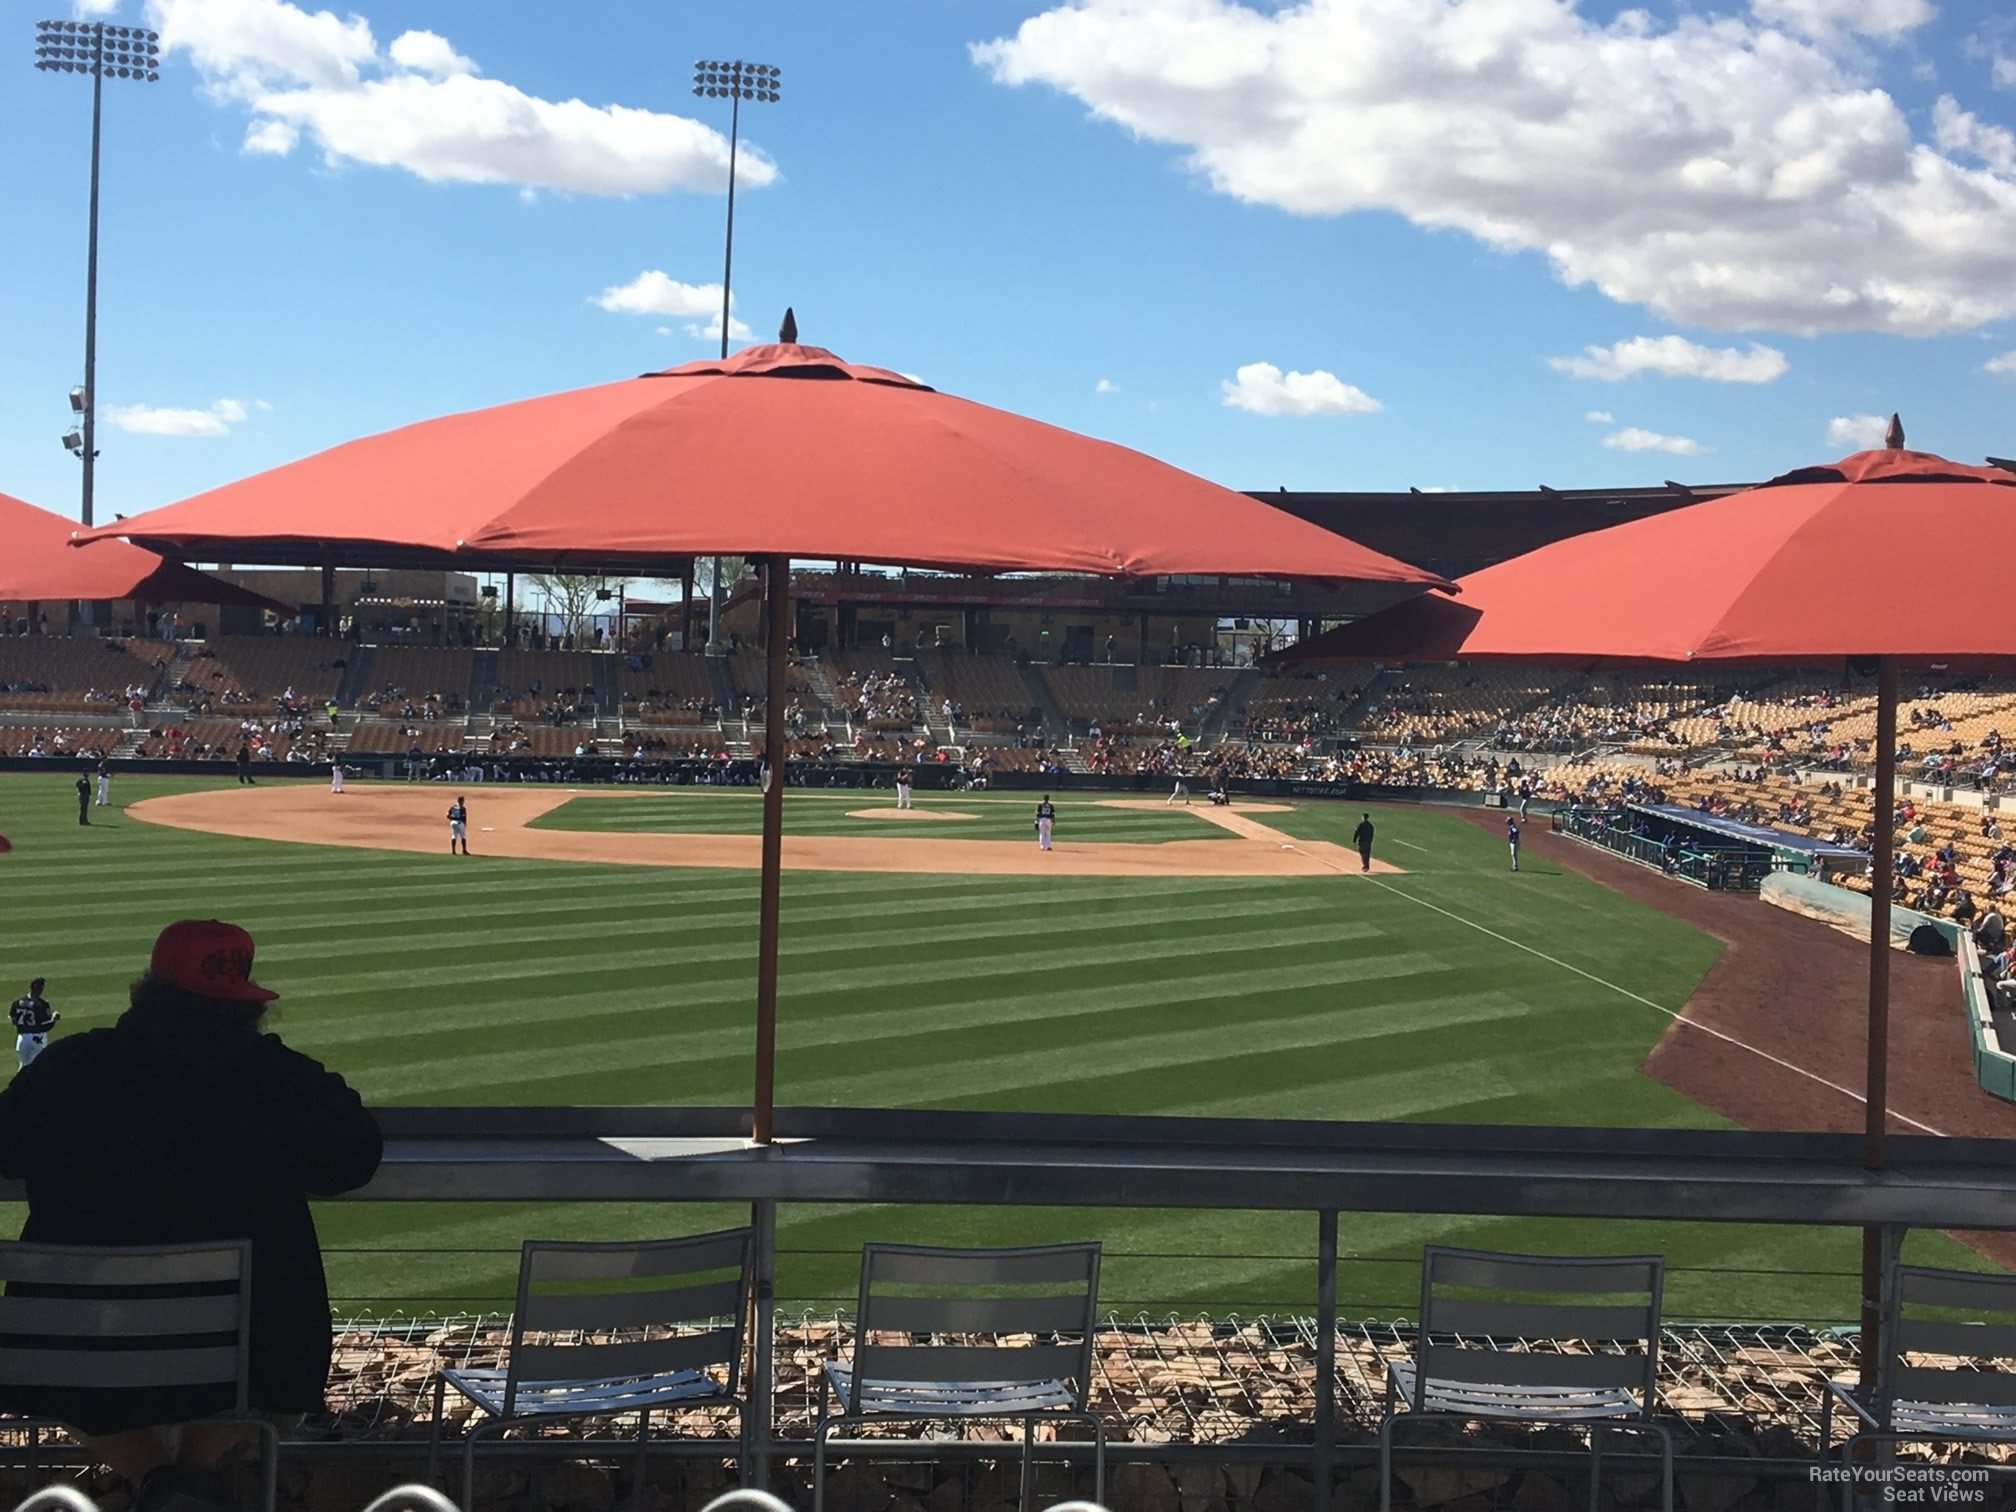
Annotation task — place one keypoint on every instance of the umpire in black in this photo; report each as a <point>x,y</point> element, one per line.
<point>1362,838</point>
<point>83,799</point>
<point>184,1122</point>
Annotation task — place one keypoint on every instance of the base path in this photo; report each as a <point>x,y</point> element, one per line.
<point>413,818</point>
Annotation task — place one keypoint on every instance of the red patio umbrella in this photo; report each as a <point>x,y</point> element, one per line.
<point>1817,565</point>
<point>779,451</point>
<point>37,566</point>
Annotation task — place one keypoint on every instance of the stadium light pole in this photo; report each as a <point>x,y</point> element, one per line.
<point>104,52</point>
<point>736,81</point>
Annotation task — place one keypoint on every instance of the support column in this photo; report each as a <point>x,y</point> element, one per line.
<point>1324,1449</point>
<point>777,606</point>
<point>1876,1080</point>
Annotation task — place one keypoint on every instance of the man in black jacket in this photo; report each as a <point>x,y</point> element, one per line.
<point>183,1123</point>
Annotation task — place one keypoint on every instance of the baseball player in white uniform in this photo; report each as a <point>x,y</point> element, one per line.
<point>1181,790</point>
<point>1046,816</point>
<point>903,788</point>
<point>104,783</point>
<point>335,776</point>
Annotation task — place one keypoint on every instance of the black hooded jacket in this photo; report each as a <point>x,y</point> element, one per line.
<point>178,1126</point>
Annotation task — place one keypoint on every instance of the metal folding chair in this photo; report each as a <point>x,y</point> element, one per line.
<point>102,1329</point>
<point>1461,1371</point>
<point>1953,1402</point>
<point>681,1306</point>
<point>914,1360</point>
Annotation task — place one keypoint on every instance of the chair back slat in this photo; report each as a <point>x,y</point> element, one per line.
<point>140,1265</point>
<point>144,1340</point>
<point>942,1364</point>
<point>639,1357</point>
<point>1566,1273</point>
<point>668,1307</point>
<point>1980,1341</point>
<point>921,1309</point>
<point>1925,1383</point>
<point>919,1265</point>
<point>903,1314</point>
<point>1926,1286</point>
<point>1520,1367</point>
<point>1537,1320</point>
<point>693,1292</point>
<point>1631,1285</point>
<point>118,1317</point>
<point>215,1366</point>
<point>657,1259</point>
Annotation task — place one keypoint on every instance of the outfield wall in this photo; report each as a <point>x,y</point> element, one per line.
<point>744,773</point>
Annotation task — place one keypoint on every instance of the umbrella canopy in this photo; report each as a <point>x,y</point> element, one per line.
<point>1816,565</point>
<point>1810,567</point>
<point>39,566</point>
<point>780,449</point>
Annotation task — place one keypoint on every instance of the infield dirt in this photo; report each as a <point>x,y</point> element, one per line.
<point>412,818</point>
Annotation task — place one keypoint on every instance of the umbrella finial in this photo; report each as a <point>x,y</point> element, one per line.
<point>788,332</point>
<point>1894,437</point>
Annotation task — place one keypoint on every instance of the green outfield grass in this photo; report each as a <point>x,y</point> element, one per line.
<point>431,979</point>
<point>994,816</point>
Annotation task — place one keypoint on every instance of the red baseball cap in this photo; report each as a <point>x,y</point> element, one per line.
<point>209,958</point>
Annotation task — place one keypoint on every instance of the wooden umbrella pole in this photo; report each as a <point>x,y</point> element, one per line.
<point>777,603</point>
<point>1876,1085</point>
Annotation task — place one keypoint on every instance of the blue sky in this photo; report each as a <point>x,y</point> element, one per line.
<point>1350,244</point>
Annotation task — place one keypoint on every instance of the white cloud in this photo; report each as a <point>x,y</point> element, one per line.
<point>422,107</point>
<point>1632,438</point>
<point>1675,356</point>
<point>153,420</point>
<point>1963,132</point>
<point>1264,389</point>
<point>711,331</point>
<point>2003,366</point>
<point>654,292</point>
<point>1105,386</point>
<point>1599,417</point>
<point>429,53</point>
<point>1729,171</point>
<point>274,138</point>
<point>2003,71</point>
<point>1823,18</point>
<point>93,10</point>
<point>1859,431</point>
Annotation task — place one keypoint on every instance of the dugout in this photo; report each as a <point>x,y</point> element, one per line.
<point>1709,850</point>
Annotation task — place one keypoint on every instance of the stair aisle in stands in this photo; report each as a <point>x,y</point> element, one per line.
<point>1056,726</point>
<point>356,677</point>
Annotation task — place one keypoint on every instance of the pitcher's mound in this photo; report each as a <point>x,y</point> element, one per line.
<point>905,815</point>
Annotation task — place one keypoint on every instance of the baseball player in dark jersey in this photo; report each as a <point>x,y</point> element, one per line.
<point>83,799</point>
<point>458,826</point>
<point>1512,839</point>
<point>1362,838</point>
<point>33,1018</point>
<point>104,782</point>
<point>1046,816</point>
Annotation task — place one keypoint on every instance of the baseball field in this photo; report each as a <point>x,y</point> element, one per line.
<point>599,947</point>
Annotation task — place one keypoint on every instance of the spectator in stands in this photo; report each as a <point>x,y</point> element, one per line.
<point>1991,930</point>
<point>1962,903</point>
<point>184,1123</point>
